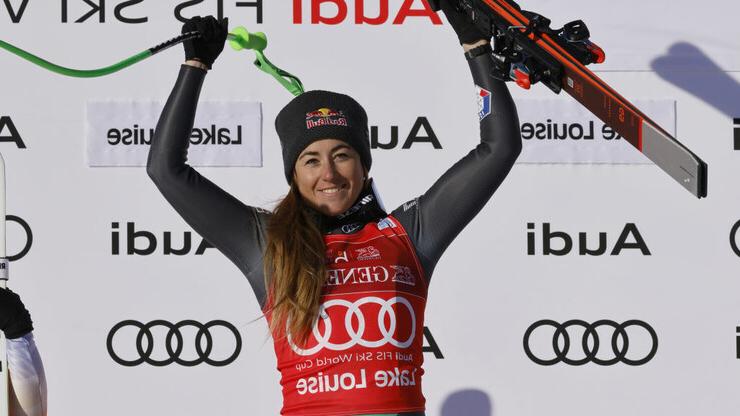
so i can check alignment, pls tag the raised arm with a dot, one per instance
(229, 225)
(435, 218)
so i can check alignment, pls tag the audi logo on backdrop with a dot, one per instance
(735, 239)
(138, 337)
(622, 347)
(342, 12)
(420, 132)
(29, 237)
(376, 323)
(10, 132)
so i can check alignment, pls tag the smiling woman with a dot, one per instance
(329, 176)
(341, 282)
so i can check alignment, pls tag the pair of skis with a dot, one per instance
(528, 51)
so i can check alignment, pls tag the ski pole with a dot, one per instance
(239, 39)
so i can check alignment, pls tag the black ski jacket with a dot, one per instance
(432, 219)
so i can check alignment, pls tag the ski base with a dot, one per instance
(675, 160)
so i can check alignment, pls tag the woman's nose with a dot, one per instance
(330, 171)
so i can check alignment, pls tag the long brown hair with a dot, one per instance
(295, 268)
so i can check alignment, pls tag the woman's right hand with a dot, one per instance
(209, 45)
(15, 321)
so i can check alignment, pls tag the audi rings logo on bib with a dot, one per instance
(604, 342)
(160, 343)
(371, 322)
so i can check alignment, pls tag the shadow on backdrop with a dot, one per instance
(468, 403)
(688, 68)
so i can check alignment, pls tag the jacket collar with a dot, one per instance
(367, 208)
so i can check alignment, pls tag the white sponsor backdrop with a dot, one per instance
(563, 131)
(224, 133)
(486, 290)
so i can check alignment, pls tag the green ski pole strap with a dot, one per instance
(286, 79)
(240, 38)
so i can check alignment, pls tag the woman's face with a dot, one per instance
(329, 176)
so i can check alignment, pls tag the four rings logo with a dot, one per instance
(735, 239)
(363, 334)
(202, 341)
(29, 237)
(590, 342)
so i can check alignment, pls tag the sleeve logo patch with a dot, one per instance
(408, 205)
(385, 223)
(484, 102)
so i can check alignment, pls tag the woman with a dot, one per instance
(27, 380)
(342, 283)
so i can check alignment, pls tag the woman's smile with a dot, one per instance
(329, 176)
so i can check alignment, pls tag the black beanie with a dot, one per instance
(317, 115)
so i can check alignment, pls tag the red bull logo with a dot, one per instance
(325, 117)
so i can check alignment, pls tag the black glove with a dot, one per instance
(209, 45)
(15, 321)
(466, 31)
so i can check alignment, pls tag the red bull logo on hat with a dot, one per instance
(325, 117)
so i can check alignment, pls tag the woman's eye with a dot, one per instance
(312, 161)
(341, 156)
